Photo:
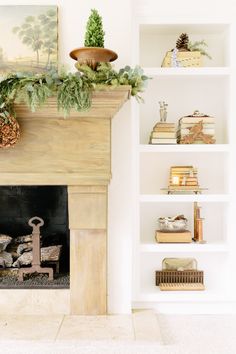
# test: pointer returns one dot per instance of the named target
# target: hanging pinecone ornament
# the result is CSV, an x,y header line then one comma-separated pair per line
x,y
9,130
182,43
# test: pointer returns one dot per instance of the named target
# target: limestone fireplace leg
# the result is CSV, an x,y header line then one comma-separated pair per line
x,y
88,249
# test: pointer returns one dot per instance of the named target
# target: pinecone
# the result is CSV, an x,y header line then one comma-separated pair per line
x,y
9,132
182,42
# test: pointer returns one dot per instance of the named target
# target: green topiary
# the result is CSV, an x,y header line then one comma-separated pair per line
x,y
94,36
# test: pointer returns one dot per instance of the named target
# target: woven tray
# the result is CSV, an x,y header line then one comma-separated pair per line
x,y
181,286
185,59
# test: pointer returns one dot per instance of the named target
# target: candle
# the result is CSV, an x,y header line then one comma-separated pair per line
x,y
175,180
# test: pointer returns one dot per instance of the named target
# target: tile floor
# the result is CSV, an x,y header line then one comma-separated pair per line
x,y
141,325
140,333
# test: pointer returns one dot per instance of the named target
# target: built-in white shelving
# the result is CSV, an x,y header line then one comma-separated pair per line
x,y
211,198
209,89
181,297
184,148
180,247
209,71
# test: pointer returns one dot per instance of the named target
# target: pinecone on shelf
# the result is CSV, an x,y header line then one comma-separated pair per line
x,y
182,42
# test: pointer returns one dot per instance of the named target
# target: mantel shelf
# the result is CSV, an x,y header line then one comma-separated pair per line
x,y
105,103
57,151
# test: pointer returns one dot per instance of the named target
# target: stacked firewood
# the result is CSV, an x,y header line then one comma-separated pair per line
x,y
17,252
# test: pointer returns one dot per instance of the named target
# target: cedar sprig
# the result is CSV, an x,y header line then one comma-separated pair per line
x,y
199,46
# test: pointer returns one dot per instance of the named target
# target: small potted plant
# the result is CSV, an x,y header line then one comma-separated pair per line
x,y
93,51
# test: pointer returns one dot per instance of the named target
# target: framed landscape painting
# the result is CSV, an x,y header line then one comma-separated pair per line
x,y
28,38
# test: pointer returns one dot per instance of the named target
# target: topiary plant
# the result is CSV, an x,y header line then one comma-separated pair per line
x,y
94,36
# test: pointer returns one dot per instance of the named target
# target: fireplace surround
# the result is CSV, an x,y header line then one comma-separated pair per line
x,y
75,152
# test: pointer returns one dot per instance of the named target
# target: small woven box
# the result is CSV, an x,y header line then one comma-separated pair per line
x,y
184,59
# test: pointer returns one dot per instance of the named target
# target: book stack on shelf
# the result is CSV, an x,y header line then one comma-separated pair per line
x,y
197,128
183,179
173,237
163,133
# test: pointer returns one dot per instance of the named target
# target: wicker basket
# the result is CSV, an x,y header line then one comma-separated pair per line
x,y
175,276
185,59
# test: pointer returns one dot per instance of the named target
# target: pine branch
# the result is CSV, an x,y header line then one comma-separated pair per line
x,y
197,46
73,90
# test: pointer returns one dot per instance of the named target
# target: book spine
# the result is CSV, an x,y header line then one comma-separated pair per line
x,y
196,120
163,135
183,132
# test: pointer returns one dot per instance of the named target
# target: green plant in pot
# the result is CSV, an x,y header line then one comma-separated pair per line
x,y
93,51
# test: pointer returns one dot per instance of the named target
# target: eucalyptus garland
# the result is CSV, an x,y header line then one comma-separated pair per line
x,y
72,90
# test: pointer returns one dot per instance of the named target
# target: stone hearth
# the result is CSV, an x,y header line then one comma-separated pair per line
x,y
75,152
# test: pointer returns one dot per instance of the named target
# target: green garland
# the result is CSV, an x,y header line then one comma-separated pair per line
x,y
72,90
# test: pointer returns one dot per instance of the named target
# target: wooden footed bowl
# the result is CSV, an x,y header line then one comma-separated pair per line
x,y
91,56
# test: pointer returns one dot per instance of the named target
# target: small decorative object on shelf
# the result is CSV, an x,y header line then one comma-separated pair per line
x,y
198,227
186,53
163,111
197,128
180,274
173,230
93,51
163,133
173,224
183,179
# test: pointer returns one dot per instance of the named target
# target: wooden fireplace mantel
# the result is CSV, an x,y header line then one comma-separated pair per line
x,y
63,151
76,152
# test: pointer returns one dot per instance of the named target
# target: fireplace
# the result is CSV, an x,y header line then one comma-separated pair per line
x,y
75,153
18,205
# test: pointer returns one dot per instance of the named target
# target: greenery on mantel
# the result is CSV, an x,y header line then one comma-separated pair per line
x,y
72,90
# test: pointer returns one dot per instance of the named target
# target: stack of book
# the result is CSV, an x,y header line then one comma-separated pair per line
x,y
173,237
183,178
186,125
163,133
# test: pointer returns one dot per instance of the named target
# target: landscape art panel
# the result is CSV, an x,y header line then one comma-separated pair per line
x,y
28,38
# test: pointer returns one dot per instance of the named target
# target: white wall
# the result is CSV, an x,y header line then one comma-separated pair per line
x,y
184,8
116,15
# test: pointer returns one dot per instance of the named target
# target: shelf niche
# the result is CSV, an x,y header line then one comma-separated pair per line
x,y
157,39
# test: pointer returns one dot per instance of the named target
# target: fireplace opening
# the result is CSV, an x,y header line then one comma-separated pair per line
x,y
18,239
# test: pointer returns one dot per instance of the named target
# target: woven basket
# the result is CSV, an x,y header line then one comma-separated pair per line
x,y
174,276
185,59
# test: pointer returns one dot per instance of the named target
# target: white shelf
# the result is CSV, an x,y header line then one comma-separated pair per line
x,y
182,247
184,148
205,71
209,88
180,296
147,198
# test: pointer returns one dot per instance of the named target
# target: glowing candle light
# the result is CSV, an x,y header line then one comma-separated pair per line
x,y
175,180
